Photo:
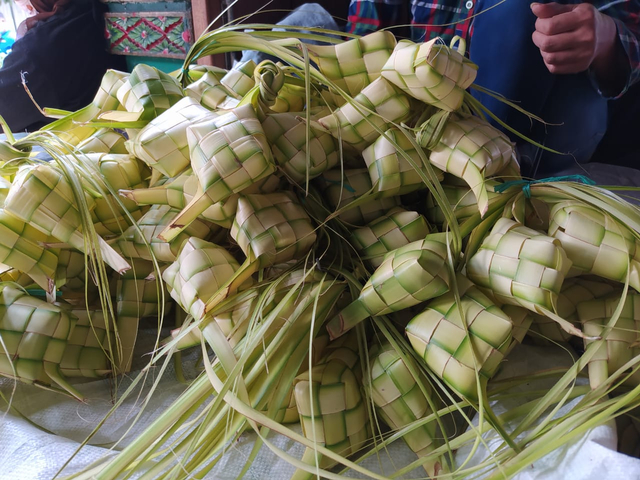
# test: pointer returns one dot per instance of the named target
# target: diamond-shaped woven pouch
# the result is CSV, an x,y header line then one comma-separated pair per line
x,y
390,172
104,140
432,72
618,345
462,200
354,64
119,172
199,271
41,196
162,144
106,99
21,248
229,153
395,229
138,294
35,335
399,401
574,291
596,243
272,228
209,92
471,149
339,411
408,276
520,266
239,79
149,91
132,242
455,352
357,126
86,352
287,135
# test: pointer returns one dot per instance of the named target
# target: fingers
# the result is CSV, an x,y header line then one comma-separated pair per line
x,y
561,23
555,43
565,62
548,10
567,40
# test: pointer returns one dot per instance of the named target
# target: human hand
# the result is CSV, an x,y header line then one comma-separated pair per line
x,y
572,38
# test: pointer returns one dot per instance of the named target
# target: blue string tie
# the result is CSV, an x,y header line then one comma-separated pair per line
x,y
526,184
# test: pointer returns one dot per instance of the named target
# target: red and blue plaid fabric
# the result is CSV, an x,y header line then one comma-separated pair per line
x,y
448,18
429,19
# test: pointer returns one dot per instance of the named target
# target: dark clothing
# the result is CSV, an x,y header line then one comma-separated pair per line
x,y
63,59
620,144
575,111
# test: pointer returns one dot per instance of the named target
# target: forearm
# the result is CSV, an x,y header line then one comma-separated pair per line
x,y
610,67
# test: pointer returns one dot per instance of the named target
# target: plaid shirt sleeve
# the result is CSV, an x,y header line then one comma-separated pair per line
x,y
626,14
366,16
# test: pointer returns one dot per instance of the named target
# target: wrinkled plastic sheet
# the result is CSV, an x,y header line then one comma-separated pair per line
x,y
51,428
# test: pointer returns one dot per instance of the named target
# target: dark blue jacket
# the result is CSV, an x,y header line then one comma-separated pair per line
x,y
63,59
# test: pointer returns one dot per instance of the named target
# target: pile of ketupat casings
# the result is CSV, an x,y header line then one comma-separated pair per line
x,y
345,238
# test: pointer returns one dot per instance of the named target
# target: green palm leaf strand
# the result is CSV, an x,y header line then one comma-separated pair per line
x,y
74,128
351,193
8,153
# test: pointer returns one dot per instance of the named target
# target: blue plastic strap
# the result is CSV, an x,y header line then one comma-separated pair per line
x,y
526,184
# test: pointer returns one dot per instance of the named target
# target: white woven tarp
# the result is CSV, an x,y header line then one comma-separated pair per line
x,y
30,453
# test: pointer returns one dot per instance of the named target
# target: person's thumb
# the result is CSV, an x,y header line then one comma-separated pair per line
x,y
548,10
